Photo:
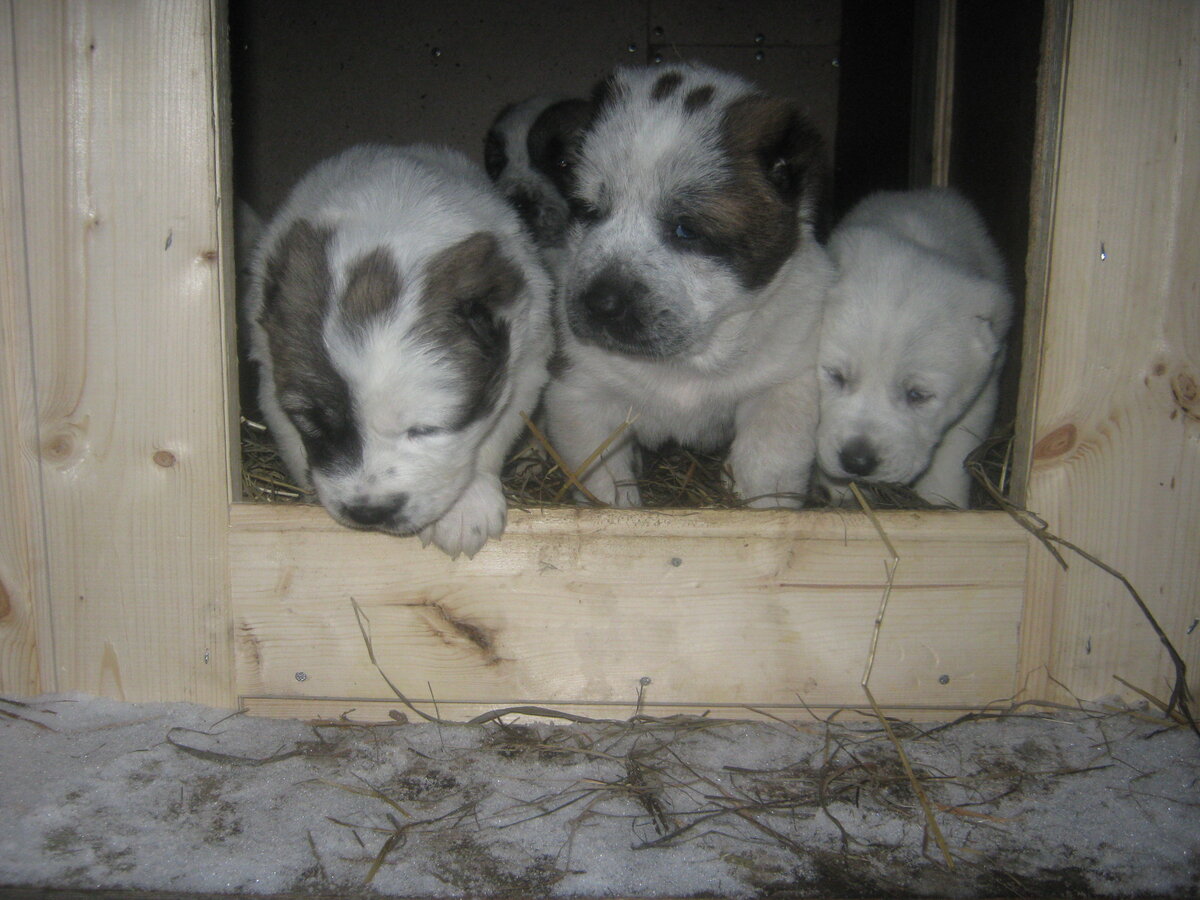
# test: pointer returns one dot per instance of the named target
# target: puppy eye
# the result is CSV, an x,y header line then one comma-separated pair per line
x,y
835,377
420,431
917,397
682,232
307,421
562,163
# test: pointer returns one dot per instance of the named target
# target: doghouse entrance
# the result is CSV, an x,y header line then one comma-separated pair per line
x,y
905,94
600,610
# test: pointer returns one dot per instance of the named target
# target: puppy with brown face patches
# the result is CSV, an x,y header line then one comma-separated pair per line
x,y
401,323
692,293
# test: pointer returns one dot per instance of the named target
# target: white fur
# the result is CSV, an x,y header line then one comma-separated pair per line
x,y
745,368
920,305
414,202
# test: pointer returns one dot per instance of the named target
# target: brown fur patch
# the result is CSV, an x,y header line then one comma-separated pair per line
x,y
776,168
295,299
467,286
295,296
371,288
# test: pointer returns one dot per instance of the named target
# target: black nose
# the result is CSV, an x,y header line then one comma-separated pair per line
x,y
857,457
604,300
371,515
612,300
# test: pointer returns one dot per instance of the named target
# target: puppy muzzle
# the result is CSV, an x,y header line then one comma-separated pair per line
x,y
618,312
377,513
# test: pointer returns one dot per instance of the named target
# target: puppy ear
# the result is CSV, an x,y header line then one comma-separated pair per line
x,y
476,283
992,317
297,281
554,138
785,146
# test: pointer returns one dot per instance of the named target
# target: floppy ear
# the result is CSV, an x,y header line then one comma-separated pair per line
x,y
475,283
297,281
992,317
788,149
553,141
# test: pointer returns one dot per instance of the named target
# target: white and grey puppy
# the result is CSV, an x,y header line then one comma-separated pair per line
x,y
693,289
401,320
526,154
912,344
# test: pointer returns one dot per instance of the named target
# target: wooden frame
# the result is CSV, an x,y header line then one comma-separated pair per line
x,y
126,572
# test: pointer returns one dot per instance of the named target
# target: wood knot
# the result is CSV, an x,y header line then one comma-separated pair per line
x,y
1061,440
60,447
164,458
1186,393
5,603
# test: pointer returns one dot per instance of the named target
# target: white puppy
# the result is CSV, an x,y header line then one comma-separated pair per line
x,y
526,154
401,321
693,288
912,344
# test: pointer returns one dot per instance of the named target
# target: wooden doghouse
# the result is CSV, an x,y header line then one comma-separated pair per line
x,y
128,569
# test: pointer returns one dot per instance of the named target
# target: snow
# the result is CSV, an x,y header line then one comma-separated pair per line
x,y
176,797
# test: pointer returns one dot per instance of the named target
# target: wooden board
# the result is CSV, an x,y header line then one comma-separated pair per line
x,y
1116,433
22,564
119,179
718,610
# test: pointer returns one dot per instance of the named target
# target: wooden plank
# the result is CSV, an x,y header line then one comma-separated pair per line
x,y
1037,622
579,606
119,140
22,564
943,99
359,711
1056,28
1116,438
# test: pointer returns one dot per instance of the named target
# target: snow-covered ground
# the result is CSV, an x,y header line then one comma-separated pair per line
x,y
176,797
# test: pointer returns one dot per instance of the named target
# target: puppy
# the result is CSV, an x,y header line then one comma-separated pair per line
x,y
912,344
526,155
692,295
401,322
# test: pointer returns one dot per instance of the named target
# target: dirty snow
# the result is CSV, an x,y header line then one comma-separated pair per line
x,y
97,793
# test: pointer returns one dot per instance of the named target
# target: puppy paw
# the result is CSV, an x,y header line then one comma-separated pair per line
x,y
622,495
478,514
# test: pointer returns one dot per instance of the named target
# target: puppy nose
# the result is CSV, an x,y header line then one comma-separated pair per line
x,y
857,457
612,296
372,514
603,299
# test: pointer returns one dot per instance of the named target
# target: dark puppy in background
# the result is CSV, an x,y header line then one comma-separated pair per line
x,y
400,317
527,155
691,298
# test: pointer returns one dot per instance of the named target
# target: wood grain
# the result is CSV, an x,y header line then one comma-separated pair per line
x,y
716,609
120,181
22,563
1116,436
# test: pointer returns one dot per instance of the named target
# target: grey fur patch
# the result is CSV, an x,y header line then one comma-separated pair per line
x,y
698,98
371,288
666,85
295,300
553,141
467,287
